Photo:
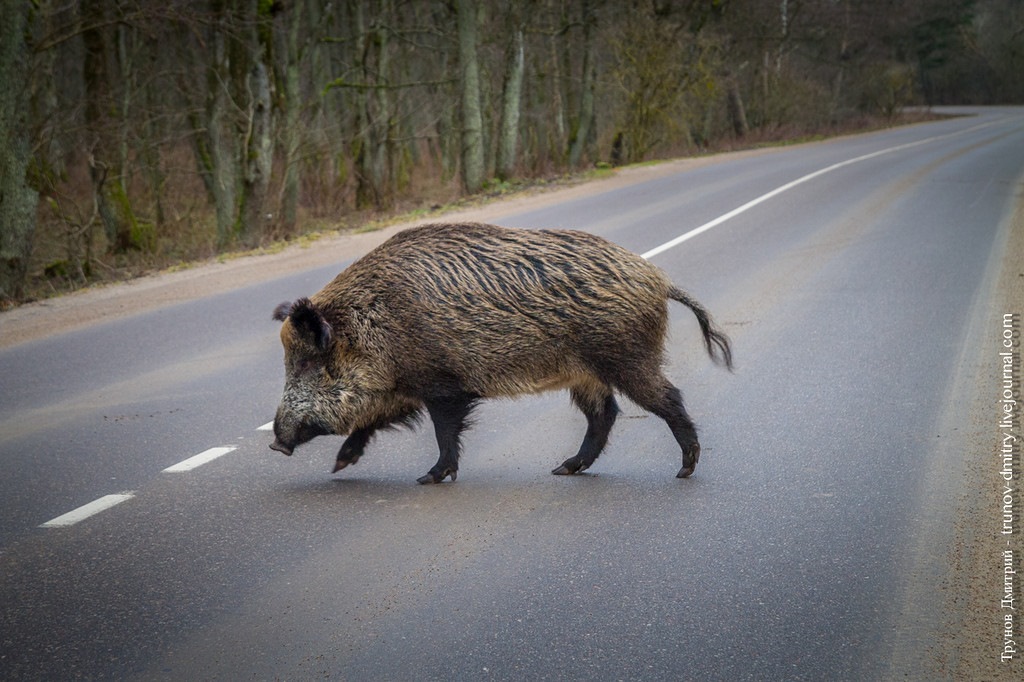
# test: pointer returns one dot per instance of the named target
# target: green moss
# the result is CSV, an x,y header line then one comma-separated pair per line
x,y
140,235
58,269
143,236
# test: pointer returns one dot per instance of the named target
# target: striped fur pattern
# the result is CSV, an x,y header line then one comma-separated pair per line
x,y
442,316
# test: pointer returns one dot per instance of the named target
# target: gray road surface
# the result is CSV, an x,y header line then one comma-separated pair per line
x,y
799,549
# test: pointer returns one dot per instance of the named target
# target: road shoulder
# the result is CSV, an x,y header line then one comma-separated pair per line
x,y
972,642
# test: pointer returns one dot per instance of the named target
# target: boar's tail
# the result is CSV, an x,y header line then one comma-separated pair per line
x,y
715,340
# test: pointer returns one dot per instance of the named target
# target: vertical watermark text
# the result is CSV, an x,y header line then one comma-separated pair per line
x,y
1009,451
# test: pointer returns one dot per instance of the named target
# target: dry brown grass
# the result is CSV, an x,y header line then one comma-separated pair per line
x,y
71,252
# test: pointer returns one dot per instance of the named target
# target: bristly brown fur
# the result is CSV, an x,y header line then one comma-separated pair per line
x,y
443,315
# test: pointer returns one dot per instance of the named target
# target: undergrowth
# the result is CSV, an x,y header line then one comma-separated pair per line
x,y
186,236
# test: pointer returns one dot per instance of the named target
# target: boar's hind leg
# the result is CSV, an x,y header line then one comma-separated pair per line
x,y
449,415
600,412
664,400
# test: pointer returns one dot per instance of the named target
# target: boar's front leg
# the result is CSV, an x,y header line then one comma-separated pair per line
x,y
352,449
449,415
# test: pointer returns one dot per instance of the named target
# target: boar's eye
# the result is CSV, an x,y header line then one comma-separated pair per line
x,y
304,365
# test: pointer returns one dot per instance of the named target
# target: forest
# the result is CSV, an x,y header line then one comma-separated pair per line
x,y
143,133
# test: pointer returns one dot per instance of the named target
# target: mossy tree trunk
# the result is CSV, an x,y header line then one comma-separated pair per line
x,y
467,16
291,135
508,136
102,123
17,198
373,147
584,128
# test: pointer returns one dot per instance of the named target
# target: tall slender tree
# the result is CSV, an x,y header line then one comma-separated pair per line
x,y
290,25
467,17
258,134
585,120
17,197
511,98
103,122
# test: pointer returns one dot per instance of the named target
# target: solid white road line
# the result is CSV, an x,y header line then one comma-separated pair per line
x,y
200,459
269,426
85,511
799,181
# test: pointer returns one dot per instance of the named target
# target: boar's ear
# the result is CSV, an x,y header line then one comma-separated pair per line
x,y
282,311
311,324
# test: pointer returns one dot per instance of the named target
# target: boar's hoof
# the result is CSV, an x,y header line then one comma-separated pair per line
x,y
690,458
437,476
570,466
342,463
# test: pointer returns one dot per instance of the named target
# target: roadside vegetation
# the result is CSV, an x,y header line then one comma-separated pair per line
x,y
143,134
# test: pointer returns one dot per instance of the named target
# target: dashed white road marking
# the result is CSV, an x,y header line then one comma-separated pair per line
x,y
87,510
108,501
200,459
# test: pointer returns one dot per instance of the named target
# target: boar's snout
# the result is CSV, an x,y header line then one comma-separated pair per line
x,y
281,447
291,431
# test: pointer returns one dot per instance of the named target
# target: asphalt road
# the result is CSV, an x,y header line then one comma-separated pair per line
x,y
856,301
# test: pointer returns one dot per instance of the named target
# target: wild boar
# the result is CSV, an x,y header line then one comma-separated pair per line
x,y
442,316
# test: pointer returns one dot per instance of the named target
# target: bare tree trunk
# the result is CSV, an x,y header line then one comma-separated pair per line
x,y
838,83
105,159
447,126
472,119
327,158
508,138
557,100
783,34
585,122
382,147
234,136
252,96
219,148
17,198
290,134
258,150
373,109
152,129
734,107
365,192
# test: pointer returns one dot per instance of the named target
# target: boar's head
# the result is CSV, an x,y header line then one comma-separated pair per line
x,y
320,385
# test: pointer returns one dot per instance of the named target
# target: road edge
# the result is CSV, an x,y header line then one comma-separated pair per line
x,y
950,621
975,583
